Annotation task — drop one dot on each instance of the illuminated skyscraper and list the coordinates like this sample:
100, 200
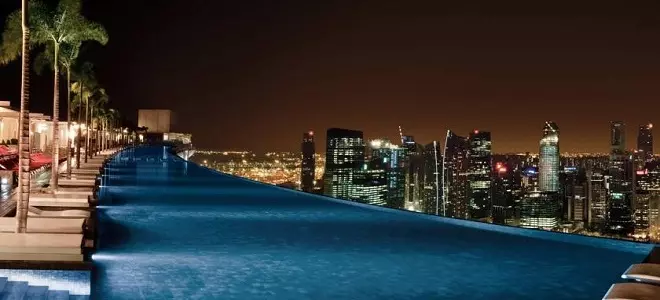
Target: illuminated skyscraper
414, 176
505, 186
479, 174
540, 210
308, 165
620, 187
432, 190
370, 183
617, 138
549, 158
596, 213
645, 141
344, 156
454, 177
393, 158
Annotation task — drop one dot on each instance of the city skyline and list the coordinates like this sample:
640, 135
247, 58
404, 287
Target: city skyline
290, 66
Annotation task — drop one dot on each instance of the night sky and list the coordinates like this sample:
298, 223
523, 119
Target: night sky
256, 74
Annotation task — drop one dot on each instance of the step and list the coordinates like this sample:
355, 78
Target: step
14, 290
36, 293
78, 297
3, 282
58, 295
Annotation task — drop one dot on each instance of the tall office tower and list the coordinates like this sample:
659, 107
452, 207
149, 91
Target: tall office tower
370, 183
530, 179
619, 159
619, 214
570, 179
432, 186
645, 141
646, 206
479, 174
414, 165
620, 184
549, 158
641, 208
596, 189
308, 164
344, 156
579, 205
617, 138
503, 194
393, 158
540, 210
454, 177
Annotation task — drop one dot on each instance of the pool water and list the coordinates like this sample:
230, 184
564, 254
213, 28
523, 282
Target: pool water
170, 229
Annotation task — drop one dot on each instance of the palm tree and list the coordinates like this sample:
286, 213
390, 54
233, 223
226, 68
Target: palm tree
64, 25
84, 73
24, 144
98, 99
15, 42
68, 55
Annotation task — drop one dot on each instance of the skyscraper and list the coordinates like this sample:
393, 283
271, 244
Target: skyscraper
432, 189
414, 173
454, 177
617, 138
596, 190
505, 187
549, 158
308, 165
620, 187
645, 141
370, 183
479, 174
540, 210
393, 158
344, 156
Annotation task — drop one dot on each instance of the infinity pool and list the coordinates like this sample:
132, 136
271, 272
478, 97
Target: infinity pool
170, 229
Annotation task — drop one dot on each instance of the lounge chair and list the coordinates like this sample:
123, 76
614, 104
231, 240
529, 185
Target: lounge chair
64, 214
647, 273
632, 291
45, 225
41, 246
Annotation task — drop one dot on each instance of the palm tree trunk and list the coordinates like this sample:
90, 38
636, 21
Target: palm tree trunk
54, 168
88, 129
24, 120
79, 135
68, 123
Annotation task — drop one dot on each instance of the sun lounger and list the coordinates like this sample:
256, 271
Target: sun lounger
45, 225
647, 273
63, 214
46, 196
41, 246
77, 182
86, 191
60, 202
85, 171
632, 291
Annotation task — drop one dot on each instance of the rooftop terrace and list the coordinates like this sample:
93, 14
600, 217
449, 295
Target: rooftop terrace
172, 229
